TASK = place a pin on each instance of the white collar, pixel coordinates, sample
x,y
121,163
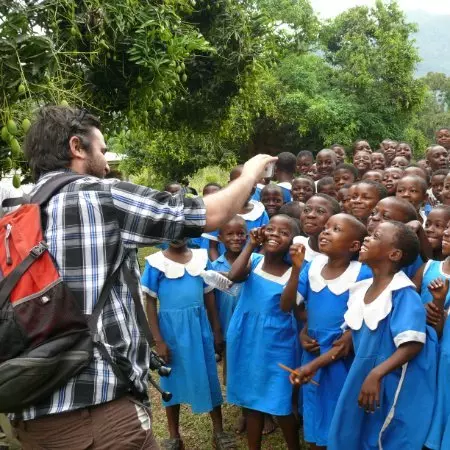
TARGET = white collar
x,y
255,213
374,312
174,269
285,184
337,286
310,254
268,276
260,186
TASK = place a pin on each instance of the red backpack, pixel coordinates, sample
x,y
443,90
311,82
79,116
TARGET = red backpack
x,y
44,336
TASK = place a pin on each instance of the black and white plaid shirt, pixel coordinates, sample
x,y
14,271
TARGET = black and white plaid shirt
x,y
90,224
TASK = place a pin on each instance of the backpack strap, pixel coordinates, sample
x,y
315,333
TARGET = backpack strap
x,y
44,193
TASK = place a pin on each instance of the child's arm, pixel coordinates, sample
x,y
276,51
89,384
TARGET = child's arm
x,y
426,252
241,267
213,316
435,310
369,396
289,295
213,250
418,277
153,322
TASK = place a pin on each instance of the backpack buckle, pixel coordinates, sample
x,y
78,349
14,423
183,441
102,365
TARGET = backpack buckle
x,y
37,250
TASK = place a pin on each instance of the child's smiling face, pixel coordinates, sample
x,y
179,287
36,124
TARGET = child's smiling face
x,y
378,161
390,179
315,215
234,235
435,226
302,189
412,190
363,198
362,160
404,150
304,164
386,209
377,246
446,241
343,177
272,199
437,185
400,162
278,234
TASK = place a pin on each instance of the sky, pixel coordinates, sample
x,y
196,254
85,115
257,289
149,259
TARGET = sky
x,y
330,8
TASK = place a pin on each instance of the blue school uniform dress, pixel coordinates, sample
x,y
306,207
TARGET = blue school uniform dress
x,y
185,328
412,269
326,303
260,336
225,303
407,394
257,194
431,271
439,435
204,240
310,254
286,188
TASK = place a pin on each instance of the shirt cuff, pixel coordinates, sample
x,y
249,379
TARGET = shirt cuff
x,y
409,336
149,292
194,217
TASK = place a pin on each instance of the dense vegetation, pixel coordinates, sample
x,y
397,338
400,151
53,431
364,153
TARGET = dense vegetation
x,y
180,85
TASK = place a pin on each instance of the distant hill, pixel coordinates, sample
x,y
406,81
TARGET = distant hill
x,y
433,41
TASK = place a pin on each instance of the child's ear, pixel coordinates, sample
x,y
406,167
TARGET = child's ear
x,y
355,247
395,255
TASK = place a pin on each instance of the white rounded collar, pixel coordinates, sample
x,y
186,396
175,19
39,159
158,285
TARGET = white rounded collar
x,y
310,254
255,213
373,313
286,185
173,269
337,286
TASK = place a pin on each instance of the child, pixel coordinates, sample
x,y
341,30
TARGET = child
x,y
253,213
364,195
284,172
305,160
435,226
362,160
390,179
326,163
414,169
378,161
437,185
400,162
233,236
211,188
437,157
303,188
387,399
404,149
184,336
389,147
326,186
261,335
312,173
345,174
272,199
318,209
323,287
344,198
414,190
361,145
373,175
293,209
443,138
445,194
340,153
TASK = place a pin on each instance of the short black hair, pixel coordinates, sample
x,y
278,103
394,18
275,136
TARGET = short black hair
x,y
325,181
349,168
217,185
272,187
358,227
334,204
337,145
408,208
420,180
296,230
444,172
382,191
442,129
235,170
292,209
305,177
173,183
236,218
406,240
444,208
286,162
305,153
46,145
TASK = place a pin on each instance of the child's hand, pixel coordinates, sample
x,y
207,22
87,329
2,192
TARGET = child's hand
x,y
309,344
438,289
257,236
163,351
369,396
344,344
305,374
219,343
297,252
434,314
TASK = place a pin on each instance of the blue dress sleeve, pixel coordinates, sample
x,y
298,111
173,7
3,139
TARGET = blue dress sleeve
x,y
365,273
408,317
150,280
264,219
255,259
411,270
303,285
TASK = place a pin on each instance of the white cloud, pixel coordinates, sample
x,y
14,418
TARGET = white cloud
x,y
330,8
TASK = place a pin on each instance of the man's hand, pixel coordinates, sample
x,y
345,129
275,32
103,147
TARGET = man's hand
x,y
163,351
254,167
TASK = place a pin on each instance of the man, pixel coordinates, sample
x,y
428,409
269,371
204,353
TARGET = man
x,y
92,226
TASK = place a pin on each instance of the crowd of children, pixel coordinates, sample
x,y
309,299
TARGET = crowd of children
x,y
343,272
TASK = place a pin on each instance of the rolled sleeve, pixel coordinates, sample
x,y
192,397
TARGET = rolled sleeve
x,y
147,216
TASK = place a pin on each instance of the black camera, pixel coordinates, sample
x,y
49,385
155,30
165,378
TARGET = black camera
x,y
157,363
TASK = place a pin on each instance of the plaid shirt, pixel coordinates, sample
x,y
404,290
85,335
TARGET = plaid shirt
x,y
90,224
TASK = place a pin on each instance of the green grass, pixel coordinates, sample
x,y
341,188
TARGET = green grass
x,y
196,429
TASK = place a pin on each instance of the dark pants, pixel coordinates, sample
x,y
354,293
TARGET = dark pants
x,y
122,424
